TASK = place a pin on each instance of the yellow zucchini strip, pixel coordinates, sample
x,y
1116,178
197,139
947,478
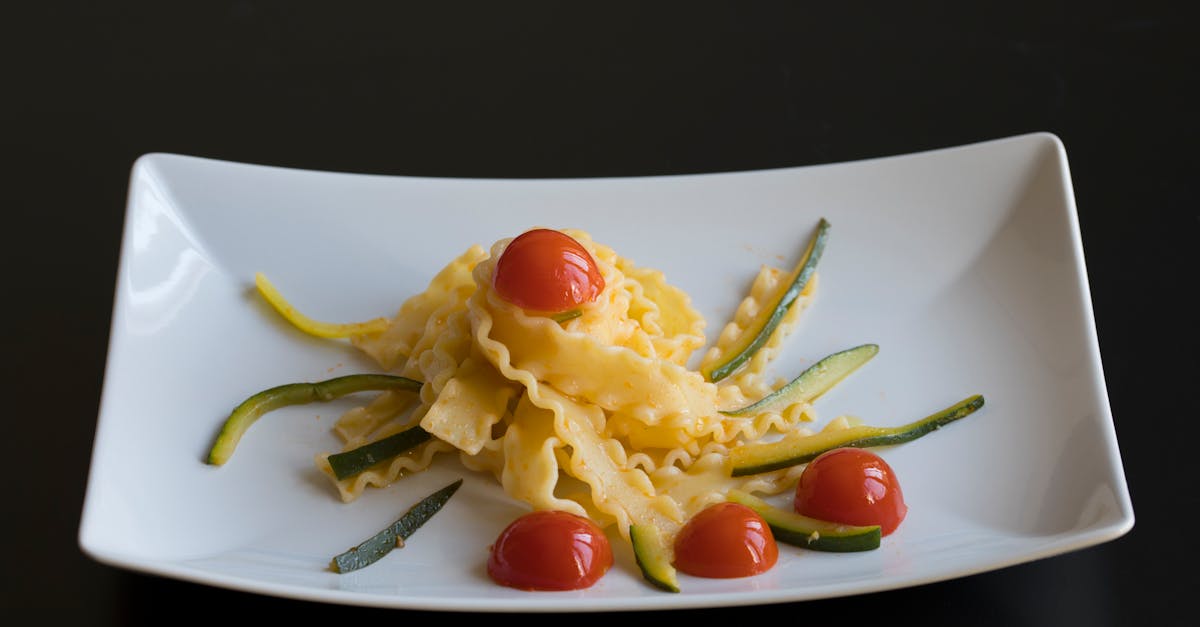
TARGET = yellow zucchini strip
x,y
308,325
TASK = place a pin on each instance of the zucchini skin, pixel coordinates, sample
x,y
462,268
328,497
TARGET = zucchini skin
x,y
251,409
802,274
752,459
653,557
810,533
374,548
815,380
567,315
351,462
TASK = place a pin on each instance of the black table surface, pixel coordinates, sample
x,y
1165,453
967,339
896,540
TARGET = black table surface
x,y
493,89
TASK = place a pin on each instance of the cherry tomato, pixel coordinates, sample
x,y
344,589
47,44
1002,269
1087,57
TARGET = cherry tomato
x,y
550,550
852,486
547,271
725,540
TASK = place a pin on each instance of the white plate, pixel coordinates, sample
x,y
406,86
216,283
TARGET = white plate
x,y
964,265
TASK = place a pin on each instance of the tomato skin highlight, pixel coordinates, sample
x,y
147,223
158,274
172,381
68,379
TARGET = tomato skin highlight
x,y
852,486
550,550
547,271
725,540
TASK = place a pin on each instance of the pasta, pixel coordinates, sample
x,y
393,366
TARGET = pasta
x,y
598,415
563,370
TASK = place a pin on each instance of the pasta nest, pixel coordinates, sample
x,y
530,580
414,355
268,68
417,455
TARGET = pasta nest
x,y
599,415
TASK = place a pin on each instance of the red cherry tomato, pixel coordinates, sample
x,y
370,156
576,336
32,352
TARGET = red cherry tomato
x,y
852,486
725,540
550,550
547,271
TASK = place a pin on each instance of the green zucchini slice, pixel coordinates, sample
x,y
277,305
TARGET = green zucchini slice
x,y
760,330
254,407
815,381
567,315
653,557
351,462
810,533
751,459
382,543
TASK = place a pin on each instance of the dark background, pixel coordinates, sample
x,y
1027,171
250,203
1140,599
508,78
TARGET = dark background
x,y
566,89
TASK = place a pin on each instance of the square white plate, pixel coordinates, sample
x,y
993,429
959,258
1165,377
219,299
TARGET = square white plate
x,y
964,265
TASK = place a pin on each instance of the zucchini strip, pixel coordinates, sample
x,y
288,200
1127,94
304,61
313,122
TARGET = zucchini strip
x,y
566,315
814,381
653,557
760,330
308,325
751,459
382,543
251,409
351,462
810,533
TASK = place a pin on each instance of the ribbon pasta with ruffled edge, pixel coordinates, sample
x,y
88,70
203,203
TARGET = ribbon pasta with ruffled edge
x,y
597,414
594,411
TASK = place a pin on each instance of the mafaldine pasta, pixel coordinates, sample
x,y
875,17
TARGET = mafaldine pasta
x,y
574,377
598,414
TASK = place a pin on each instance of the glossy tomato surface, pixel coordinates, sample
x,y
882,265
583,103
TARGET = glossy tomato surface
x,y
547,271
852,486
725,540
550,550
